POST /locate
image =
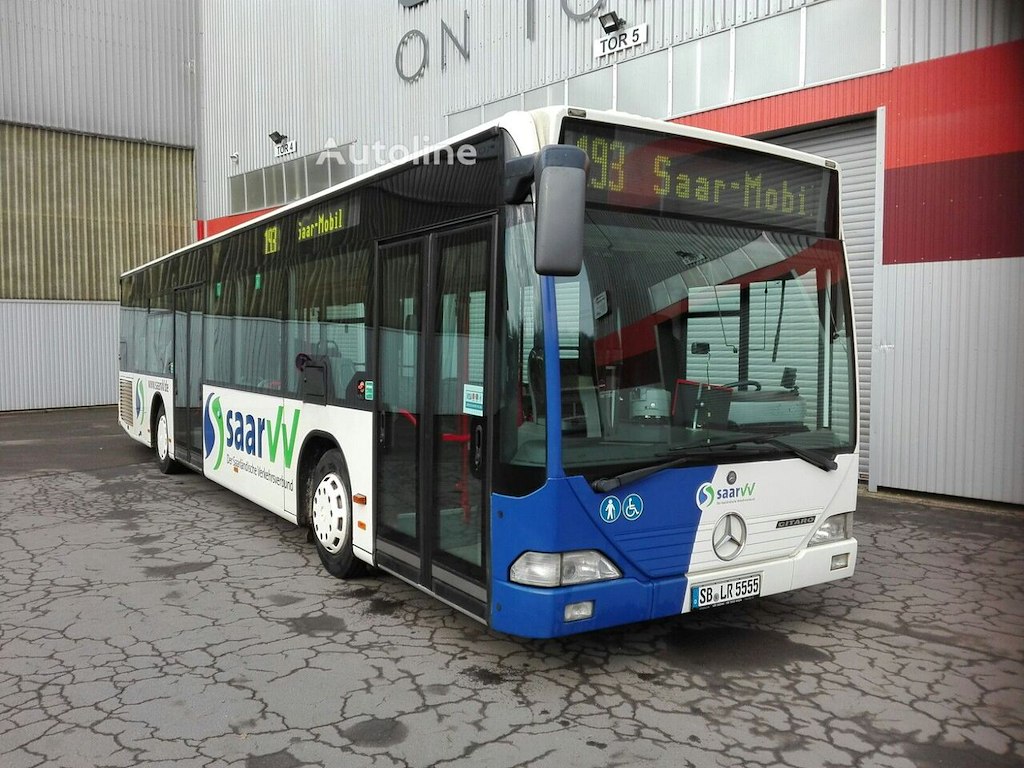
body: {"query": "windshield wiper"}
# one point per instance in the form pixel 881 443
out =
pixel 603 484
pixel 816 458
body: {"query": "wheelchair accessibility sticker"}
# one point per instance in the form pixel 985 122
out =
pixel 629 508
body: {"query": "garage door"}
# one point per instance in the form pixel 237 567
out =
pixel 853 145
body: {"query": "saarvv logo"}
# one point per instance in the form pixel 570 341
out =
pixel 256 436
pixel 705 495
pixel 213 429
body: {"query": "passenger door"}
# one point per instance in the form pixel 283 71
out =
pixel 432 487
pixel 188 374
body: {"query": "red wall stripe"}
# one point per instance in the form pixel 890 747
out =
pixel 211 227
pixel 967 105
pixel 957 107
pixel 954 148
pixel 955 211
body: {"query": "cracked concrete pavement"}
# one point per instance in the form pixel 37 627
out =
pixel 152 620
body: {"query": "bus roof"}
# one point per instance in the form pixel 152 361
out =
pixel 530 130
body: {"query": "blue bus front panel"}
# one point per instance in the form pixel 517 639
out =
pixel 660 533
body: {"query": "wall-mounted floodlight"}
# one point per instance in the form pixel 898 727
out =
pixel 278 138
pixel 233 156
pixel 610 22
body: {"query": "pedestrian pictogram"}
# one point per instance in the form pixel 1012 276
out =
pixel 611 508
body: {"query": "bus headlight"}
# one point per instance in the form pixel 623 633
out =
pixel 562 569
pixel 835 528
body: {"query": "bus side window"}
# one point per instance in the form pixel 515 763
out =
pixel 327 320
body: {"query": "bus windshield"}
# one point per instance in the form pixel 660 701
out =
pixel 680 334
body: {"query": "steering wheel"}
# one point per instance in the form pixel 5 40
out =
pixel 746 383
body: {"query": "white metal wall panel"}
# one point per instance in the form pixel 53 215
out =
pixel 854 147
pixel 642 88
pixel 843 37
pixel 767 57
pixel 107 67
pixel 57 354
pixel 960 433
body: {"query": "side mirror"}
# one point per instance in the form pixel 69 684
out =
pixel 560 175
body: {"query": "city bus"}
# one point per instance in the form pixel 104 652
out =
pixel 570 370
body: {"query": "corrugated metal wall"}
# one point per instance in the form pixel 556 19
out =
pixel 76 211
pixel 57 354
pixel 950 365
pixel 325 71
pixel 507 48
pixel 108 67
pixel 924 29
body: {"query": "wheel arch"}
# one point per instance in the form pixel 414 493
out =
pixel 316 444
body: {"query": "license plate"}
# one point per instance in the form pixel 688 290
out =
pixel 722 592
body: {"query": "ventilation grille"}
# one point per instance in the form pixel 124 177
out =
pixel 127 390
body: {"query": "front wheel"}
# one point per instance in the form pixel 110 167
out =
pixel 329 501
pixel 162 444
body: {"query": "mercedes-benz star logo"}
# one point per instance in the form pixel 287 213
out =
pixel 729 537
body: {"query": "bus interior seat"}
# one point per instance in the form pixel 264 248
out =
pixel 580 405
pixel 340 370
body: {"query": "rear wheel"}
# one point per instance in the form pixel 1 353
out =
pixel 162 443
pixel 329 507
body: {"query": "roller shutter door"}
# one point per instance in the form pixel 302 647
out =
pixel 854 146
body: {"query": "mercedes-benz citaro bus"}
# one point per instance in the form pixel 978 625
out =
pixel 569 370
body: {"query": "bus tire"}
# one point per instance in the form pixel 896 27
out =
pixel 329 511
pixel 162 442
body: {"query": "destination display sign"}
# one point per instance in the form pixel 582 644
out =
pixel 325 219
pixel 328 218
pixel 634 168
